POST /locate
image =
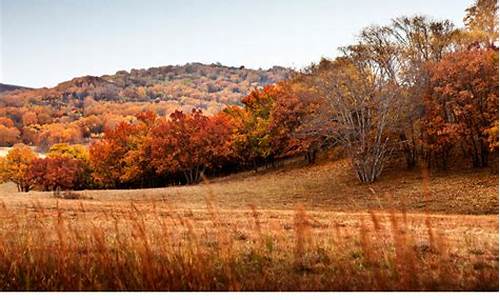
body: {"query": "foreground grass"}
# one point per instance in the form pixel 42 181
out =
pixel 252 232
pixel 152 246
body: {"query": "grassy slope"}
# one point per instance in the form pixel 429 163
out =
pixel 329 186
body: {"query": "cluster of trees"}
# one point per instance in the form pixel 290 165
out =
pixel 151 150
pixel 65 167
pixel 416 91
pixel 154 150
pixel 462 107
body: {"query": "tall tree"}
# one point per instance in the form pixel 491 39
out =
pixel 252 139
pixel 357 111
pixel 398 53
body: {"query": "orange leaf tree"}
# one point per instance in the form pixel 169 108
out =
pixel 188 144
pixel 462 104
pixel 117 159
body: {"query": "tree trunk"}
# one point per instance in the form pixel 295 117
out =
pixel 311 156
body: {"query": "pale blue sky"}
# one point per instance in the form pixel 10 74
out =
pixel 44 42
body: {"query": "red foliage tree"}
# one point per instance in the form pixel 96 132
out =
pixel 189 144
pixel 54 174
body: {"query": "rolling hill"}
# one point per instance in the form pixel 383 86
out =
pixel 194 82
pixel 10 87
pixel 82 107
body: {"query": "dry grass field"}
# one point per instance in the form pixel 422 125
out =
pixel 297 228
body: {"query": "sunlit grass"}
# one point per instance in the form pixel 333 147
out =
pixel 152 246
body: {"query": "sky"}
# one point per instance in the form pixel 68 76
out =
pixel 44 42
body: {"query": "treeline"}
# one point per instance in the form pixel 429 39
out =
pixel 416 91
pixel 151 150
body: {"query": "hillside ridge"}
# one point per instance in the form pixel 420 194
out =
pixel 191 81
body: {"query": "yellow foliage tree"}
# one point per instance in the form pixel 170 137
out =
pixel 74 152
pixel 69 151
pixel 16 166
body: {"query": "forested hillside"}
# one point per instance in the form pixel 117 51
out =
pixel 74 110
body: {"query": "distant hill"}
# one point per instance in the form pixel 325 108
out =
pixel 193 83
pixel 77 110
pixel 10 87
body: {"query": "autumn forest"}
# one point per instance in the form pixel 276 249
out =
pixel 416 90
